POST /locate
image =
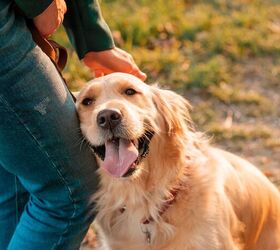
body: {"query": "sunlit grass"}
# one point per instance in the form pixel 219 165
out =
pixel 189 43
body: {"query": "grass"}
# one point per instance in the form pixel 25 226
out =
pixel 222 55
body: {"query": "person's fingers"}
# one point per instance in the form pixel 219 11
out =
pixel 130 69
pixel 141 75
pixel 114 60
pixel 99 72
pixel 62 7
pixel 138 73
pixel 135 70
pixel 51 18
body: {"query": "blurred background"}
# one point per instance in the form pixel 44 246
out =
pixel 223 55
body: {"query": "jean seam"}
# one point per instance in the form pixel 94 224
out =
pixel 9 107
pixel 16 200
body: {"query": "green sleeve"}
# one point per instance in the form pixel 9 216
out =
pixel 32 8
pixel 86 27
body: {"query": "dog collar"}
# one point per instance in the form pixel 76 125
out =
pixel 169 201
pixel 166 204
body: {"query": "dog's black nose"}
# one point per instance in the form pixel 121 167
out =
pixel 108 118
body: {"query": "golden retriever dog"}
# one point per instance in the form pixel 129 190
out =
pixel 162 185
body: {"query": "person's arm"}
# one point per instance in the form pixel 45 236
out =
pixel 92 38
pixel 87 31
pixel 86 27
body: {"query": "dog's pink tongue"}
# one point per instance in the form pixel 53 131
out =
pixel 118 159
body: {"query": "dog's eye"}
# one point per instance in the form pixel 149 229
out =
pixel 87 101
pixel 130 92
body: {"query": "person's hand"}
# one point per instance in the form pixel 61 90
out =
pixel 112 60
pixel 51 18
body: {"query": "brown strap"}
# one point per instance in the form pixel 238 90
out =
pixel 52 49
pixel 61 54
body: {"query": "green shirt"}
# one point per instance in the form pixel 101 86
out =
pixel 83 22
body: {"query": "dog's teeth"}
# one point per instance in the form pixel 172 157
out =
pixel 135 142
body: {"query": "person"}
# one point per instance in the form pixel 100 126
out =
pixel 47 175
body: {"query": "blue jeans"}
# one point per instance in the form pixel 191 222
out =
pixel 47 175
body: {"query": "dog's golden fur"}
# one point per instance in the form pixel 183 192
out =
pixel 223 201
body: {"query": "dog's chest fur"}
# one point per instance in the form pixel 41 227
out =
pixel 128 227
pixel 122 218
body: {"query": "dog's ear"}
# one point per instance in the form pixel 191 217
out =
pixel 174 110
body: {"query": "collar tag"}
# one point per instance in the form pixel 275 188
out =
pixel 147 232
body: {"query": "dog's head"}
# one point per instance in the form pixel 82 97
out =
pixel 121 116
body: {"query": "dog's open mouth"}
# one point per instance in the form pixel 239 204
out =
pixel 121 156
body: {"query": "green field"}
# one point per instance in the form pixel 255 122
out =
pixel 223 55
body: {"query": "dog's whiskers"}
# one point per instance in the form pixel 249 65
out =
pixel 84 141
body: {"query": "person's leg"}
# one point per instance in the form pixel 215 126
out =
pixel 13 198
pixel 40 143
